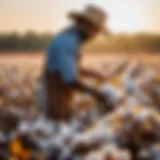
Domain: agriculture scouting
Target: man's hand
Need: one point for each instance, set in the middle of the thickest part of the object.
(100, 97)
(103, 101)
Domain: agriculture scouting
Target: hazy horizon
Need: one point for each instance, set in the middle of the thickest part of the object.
(50, 15)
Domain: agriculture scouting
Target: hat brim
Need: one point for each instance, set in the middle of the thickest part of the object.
(78, 15)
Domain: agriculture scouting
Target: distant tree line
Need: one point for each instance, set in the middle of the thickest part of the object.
(140, 42)
(31, 41)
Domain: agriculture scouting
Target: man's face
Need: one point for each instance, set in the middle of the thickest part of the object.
(87, 30)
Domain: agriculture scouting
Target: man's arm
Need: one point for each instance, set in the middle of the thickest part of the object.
(77, 85)
(92, 74)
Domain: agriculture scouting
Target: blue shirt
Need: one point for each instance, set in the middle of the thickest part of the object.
(63, 55)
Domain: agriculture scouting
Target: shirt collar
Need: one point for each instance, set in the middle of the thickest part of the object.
(75, 31)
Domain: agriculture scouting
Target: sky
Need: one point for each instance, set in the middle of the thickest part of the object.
(50, 15)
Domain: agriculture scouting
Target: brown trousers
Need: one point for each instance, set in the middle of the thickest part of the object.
(59, 98)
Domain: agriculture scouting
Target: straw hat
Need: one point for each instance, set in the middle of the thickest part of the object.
(93, 14)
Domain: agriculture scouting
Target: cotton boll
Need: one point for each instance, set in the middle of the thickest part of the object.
(44, 126)
(40, 96)
(94, 114)
(94, 156)
(113, 94)
(124, 155)
(66, 153)
(155, 151)
(109, 151)
(24, 127)
(128, 84)
(77, 126)
(144, 115)
(144, 154)
(3, 138)
(158, 90)
(66, 131)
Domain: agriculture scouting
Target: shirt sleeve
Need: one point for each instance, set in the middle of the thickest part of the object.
(67, 66)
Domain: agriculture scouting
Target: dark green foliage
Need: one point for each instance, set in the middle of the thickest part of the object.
(32, 41)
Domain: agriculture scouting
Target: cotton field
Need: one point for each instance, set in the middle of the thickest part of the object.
(128, 130)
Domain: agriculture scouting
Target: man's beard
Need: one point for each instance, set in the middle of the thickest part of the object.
(83, 36)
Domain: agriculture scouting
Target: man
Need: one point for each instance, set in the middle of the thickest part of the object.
(62, 71)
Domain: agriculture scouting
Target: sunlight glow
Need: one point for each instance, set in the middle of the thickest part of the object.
(50, 15)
